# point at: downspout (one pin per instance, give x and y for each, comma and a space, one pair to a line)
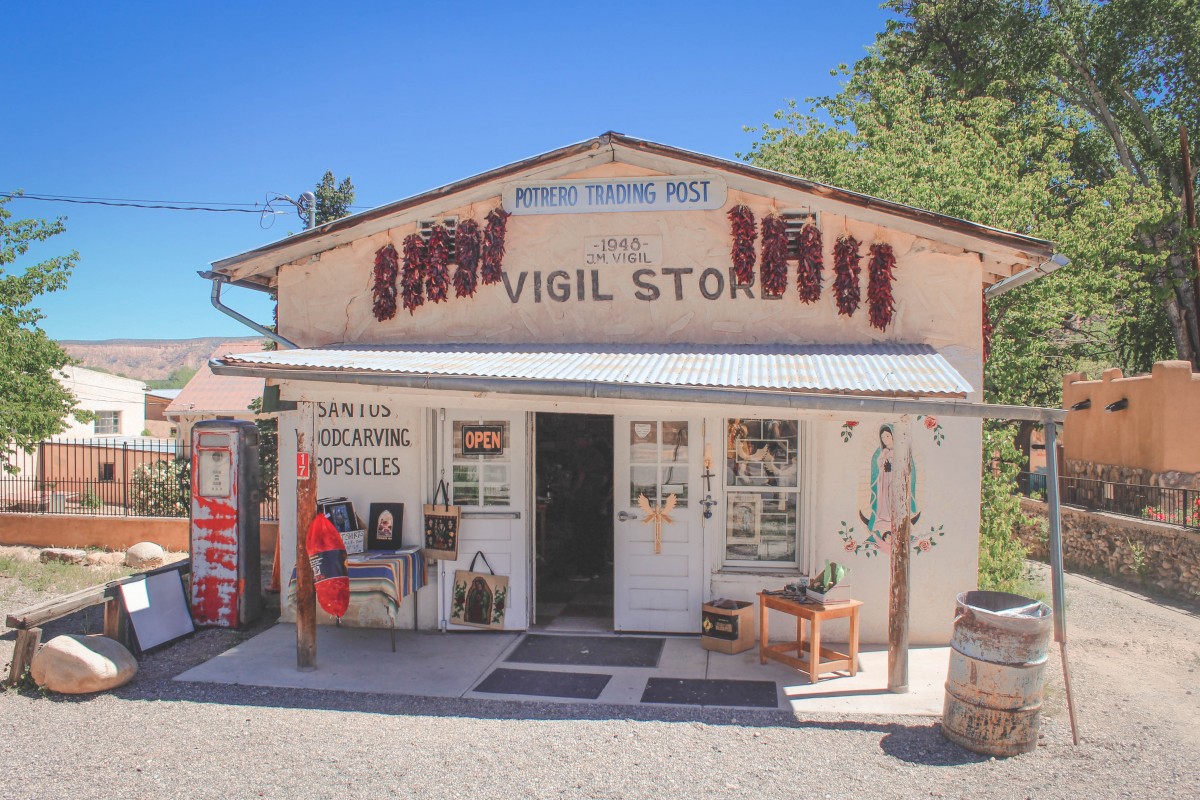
217, 280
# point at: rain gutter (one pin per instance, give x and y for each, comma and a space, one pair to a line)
218, 279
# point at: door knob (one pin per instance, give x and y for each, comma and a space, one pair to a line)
625, 516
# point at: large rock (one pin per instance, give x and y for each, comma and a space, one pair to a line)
63, 554
99, 558
144, 555
82, 664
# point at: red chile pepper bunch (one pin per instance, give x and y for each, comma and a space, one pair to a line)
846, 271
773, 267
386, 268
812, 262
466, 247
493, 245
741, 219
437, 264
412, 277
879, 286
987, 331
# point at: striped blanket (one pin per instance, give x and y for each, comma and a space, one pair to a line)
394, 575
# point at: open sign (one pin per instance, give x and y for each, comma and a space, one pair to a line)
482, 440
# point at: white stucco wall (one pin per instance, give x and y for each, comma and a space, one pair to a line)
99, 391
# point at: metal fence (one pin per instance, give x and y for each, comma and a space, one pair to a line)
126, 476
1156, 503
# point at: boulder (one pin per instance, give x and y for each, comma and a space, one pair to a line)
97, 558
63, 554
144, 555
82, 664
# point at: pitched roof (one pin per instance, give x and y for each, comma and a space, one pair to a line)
218, 394
256, 267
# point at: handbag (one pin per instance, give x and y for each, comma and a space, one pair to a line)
441, 526
479, 599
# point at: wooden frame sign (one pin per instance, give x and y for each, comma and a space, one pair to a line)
482, 440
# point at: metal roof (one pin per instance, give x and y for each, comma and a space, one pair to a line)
883, 369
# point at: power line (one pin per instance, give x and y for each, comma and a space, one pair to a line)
170, 205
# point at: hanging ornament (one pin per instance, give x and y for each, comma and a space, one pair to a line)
879, 285
812, 262
987, 330
743, 229
773, 267
493, 245
437, 264
412, 276
384, 289
466, 247
846, 271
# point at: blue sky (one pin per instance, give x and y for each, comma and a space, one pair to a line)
231, 102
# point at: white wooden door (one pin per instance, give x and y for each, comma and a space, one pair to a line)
657, 457
491, 490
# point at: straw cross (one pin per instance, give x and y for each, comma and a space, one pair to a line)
658, 516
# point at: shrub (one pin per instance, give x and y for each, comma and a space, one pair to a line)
160, 489
1001, 554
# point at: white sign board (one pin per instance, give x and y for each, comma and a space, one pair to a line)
598, 195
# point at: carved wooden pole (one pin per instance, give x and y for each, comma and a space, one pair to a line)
898, 604
306, 510
1189, 205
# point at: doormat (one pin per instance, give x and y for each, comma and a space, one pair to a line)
589, 651
576, 685
710, 692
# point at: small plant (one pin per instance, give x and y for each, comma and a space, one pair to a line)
1139, 559
833, 574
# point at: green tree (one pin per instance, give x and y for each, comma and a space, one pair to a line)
1001, 554
1130, 70
333, 199
33, 404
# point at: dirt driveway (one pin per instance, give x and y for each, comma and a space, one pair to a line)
1135, 664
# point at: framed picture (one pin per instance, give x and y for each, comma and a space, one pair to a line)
744, 520
775, 525
341, 513
385, 526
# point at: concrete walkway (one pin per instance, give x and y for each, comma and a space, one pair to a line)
452, 665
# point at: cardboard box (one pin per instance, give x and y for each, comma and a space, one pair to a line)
727, 626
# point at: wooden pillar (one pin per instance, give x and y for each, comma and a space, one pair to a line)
306, 510
898, 602
28, 640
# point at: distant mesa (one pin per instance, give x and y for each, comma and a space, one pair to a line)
145, 359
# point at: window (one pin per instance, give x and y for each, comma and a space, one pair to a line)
107, 422
480, 480
425, 229
108, 472
658, 457
762, 491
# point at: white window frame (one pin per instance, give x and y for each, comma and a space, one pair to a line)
107, 416
802, 463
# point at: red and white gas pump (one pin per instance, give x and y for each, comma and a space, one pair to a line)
226, 566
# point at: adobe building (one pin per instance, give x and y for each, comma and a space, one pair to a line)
602, 308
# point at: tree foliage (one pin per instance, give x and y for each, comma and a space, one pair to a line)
33, 403
333, 199
161, 489
1001, 554
1130, 71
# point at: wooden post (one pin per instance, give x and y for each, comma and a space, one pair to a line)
898, 604
306, 510
26, 647
1189, 205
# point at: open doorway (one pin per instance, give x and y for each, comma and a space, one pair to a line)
574, 530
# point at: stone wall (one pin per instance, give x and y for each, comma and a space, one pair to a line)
1097, 542
1139, 476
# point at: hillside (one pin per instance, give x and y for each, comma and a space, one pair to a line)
145, 359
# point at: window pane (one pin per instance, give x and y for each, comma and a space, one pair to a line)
643, 442
675, 481
761, 526
643, 480
675, 442
762, 452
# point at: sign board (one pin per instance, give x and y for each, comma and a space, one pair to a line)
482, 440
599, 195
303, 465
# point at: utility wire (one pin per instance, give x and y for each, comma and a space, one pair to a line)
170, 205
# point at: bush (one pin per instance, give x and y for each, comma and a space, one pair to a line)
160, 489
1001, 554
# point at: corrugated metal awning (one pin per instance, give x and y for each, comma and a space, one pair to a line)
883, 369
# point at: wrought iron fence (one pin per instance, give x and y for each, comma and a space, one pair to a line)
127, 476
1156, 503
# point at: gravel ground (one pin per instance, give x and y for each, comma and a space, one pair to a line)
1134, 664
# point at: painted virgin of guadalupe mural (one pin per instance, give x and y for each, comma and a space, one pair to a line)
878, 516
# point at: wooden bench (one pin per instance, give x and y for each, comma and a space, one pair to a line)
28, 622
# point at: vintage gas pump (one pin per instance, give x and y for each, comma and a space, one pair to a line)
226, 566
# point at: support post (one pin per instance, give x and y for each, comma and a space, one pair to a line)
306, 510
28, 640
898, 603
1058, 589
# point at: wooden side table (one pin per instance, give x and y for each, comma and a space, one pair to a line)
813, 659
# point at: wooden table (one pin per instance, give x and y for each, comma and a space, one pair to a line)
813, 659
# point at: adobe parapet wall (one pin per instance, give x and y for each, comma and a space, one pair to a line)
1155, 433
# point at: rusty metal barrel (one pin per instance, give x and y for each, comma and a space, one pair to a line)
994, 684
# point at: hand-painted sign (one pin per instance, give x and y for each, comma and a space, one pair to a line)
599, 195
482, 440
645, 251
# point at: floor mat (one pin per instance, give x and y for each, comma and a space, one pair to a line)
576, 685
702, 692
590, 651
